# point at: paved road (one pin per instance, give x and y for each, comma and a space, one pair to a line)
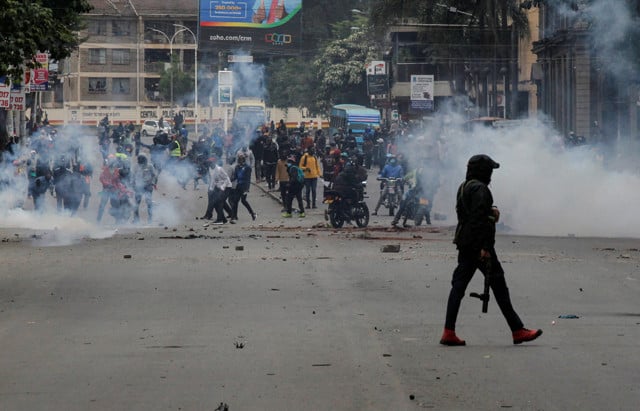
325, 320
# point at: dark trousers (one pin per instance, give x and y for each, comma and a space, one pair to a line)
235, 198
284, 189
269, 171
310, 185
258, 169
468, 263
294, 191
217, 200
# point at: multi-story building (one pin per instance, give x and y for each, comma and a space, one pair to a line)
588, 82
117, 69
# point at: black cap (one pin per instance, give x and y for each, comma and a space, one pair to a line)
482, 160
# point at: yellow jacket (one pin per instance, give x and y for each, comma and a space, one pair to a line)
309, 165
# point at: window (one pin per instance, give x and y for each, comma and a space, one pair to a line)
120, 28
97, 56
97, 85
97, 27
120, 56
120, 86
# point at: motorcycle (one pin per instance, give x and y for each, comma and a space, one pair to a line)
391, 193
418, 208
341, 210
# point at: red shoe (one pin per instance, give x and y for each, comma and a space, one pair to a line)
450, 338
524, 335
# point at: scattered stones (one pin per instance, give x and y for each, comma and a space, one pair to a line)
390, 248
222, 407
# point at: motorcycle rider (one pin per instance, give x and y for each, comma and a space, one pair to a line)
391, 170
417, 187
348, 183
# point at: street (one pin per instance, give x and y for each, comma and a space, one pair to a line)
287, 314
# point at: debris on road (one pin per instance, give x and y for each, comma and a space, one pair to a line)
222, 407
390, 248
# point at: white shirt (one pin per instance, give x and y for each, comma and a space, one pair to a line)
219, 179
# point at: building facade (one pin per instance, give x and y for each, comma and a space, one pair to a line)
588, 87
480, 76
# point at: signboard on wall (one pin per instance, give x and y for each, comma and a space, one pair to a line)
422, 92
17, 100
264, 25
5, 95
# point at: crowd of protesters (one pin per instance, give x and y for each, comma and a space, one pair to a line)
294, 162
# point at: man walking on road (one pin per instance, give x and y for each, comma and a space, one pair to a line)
218, 186
475, 240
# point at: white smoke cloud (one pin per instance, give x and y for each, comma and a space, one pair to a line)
541, 187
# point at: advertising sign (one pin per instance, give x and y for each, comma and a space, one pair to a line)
5, 95
376, 67
39, 80
422, 92
265, 25
225, 94
377, 84
17, 100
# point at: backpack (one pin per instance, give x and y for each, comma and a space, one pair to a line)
296, 174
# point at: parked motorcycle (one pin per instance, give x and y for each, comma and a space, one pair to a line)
391, 192
342, 210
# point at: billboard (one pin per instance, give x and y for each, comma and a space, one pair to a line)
261, 25
422, 92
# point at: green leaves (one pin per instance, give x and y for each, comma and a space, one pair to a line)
30, 27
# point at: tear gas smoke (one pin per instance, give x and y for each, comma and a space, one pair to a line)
542, 188
248, 83
66, 227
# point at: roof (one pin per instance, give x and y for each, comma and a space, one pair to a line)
357, 109
166, 8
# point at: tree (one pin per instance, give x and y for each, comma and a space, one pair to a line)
175, 82
292, 81
31, 27
340, 71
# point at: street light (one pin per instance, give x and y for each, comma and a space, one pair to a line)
170, 40
195, 40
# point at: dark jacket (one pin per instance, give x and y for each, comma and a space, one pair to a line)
476, 228
242, 176
270, 154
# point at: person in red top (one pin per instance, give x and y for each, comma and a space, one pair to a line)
306, 142
112, 186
